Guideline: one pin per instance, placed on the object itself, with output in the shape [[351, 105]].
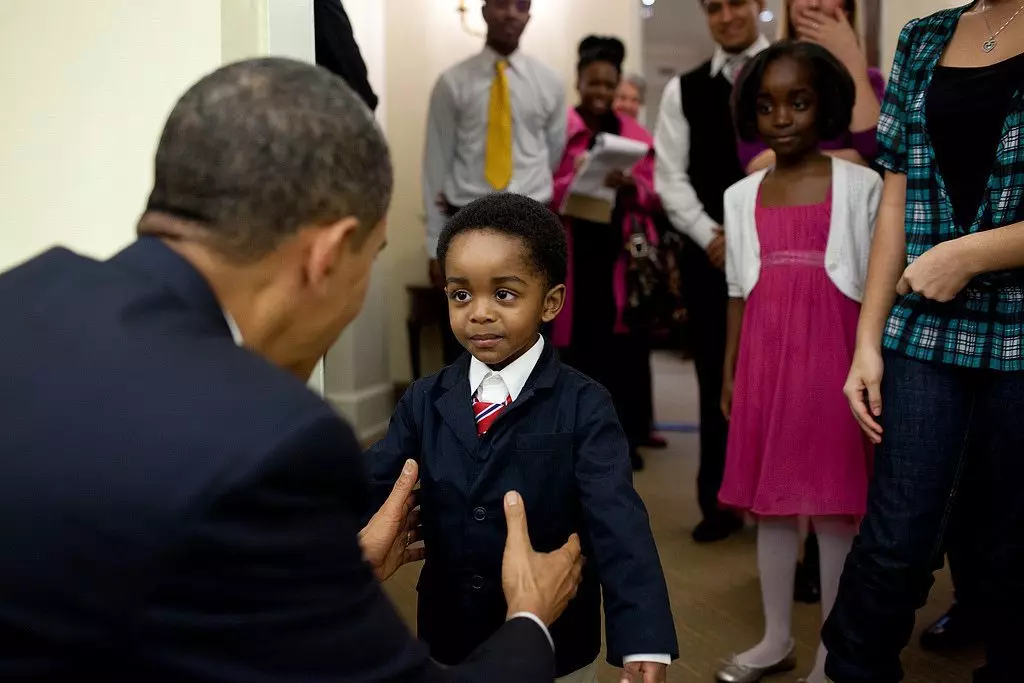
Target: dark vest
[[714, 161]]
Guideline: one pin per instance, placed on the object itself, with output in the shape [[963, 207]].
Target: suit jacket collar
[[150, 257], [455, 406]]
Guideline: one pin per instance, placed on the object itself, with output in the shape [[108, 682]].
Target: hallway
[[714, 589]]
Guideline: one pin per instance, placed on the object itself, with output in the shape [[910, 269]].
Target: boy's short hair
[[832, 83], [540, 231]]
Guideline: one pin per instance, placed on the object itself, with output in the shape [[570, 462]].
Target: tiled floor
[[714, 589]]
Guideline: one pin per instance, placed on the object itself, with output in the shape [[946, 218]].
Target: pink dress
[[794, 447]]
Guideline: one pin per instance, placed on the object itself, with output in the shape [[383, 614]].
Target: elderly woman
[[630, 95]]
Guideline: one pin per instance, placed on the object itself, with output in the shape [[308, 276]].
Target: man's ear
[[554, 300], [324, 250]]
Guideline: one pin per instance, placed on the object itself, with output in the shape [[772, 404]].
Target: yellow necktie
[[498, 155]]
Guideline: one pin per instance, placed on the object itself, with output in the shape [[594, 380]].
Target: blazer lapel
[[455, 405], [542, 379]]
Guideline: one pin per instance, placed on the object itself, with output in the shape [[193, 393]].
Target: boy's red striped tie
[[487, 413]]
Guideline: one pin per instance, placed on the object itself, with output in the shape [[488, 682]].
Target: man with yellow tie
[[496, 124]]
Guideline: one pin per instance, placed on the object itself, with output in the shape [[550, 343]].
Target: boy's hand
[[644, 672], [387, 538]]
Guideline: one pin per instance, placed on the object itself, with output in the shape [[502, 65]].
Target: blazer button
[[479, 514], [477, 582]]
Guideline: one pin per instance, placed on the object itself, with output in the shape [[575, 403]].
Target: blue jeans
[[951, 437]]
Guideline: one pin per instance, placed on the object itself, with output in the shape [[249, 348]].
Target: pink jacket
[[640, 205]]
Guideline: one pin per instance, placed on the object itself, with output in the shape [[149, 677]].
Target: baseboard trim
[[368, 409]]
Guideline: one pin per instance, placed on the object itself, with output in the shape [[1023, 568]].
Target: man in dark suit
[[175, 504]]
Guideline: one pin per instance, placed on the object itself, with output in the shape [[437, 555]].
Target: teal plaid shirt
[[984, 325]]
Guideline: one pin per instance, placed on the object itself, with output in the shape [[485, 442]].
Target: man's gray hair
[[638, 82], [261, 148]]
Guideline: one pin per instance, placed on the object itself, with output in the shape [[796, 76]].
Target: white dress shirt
[[494, 386], [453, 161], [672, 151]]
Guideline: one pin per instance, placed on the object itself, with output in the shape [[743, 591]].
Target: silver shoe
[[734, 672]]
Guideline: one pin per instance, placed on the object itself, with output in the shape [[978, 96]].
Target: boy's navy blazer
[[561, 447]]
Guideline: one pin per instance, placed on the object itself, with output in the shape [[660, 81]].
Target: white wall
[[357, 372], [86, 87]]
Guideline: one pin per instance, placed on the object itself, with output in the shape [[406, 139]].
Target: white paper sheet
[[609, 153]]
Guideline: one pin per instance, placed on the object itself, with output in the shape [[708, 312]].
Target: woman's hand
[[938, 274], [618, 180], [864, 391], [728, 382], [579, 161], [835, 34]]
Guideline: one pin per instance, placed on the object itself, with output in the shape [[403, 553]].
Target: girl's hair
[[829, 78], [600, 49], [788, 32]]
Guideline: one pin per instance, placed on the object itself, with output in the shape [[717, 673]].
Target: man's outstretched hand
[[389, 537], [539, 583]]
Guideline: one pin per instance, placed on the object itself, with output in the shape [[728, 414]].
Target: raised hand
[[834, 33]]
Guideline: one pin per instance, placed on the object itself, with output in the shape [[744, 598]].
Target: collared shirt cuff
[[534, 618], [655, 659], [704, 231]]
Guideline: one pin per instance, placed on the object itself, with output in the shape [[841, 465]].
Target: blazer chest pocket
[[544, 461], [538, 444]]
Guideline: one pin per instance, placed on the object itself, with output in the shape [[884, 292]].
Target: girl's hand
[[835, 34], [618, 180], [864, 391], [938, 274], [579, 161]]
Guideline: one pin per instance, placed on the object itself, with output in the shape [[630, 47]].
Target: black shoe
[[807, 585], [637, 461], [954, 630], [717, 528]]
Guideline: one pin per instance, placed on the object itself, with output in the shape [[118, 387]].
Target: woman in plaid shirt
[[938, 374]]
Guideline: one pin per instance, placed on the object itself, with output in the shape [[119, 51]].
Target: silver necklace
[[991, 43]]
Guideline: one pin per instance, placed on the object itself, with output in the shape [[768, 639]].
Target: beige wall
[[423, 38], [86, 87], [895, 15]]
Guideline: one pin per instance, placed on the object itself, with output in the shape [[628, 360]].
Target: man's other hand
[[389, 537], [539, 583]]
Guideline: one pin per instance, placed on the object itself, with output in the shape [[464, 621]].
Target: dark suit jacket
[[560, 445], [175, 508], [337, 51]]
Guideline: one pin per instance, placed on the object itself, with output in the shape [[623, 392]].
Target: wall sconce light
[[469, 17]]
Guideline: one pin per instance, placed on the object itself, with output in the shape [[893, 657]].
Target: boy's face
[[496, 298]]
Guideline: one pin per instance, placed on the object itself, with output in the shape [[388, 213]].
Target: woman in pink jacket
[[592, 330]]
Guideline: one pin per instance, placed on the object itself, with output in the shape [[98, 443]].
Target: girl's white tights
[[778, 547]]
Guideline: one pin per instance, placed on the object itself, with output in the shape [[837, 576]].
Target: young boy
[[508, 415]]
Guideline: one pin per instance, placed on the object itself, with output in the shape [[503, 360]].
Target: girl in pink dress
[[797, 242]]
